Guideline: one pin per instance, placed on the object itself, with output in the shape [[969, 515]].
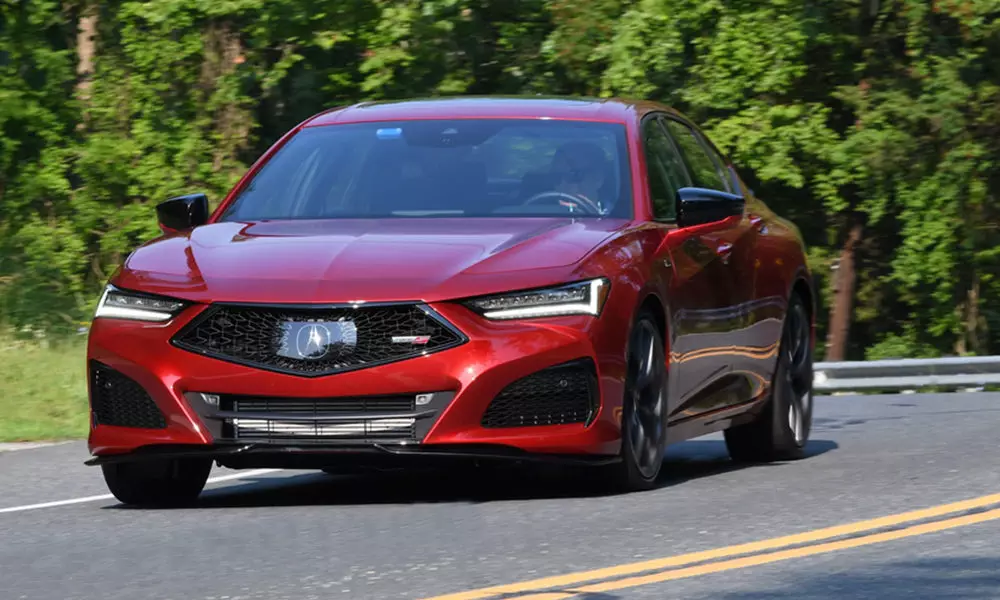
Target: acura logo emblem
[[314, 340]]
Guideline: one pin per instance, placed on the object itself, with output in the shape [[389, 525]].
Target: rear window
[[444, 168]]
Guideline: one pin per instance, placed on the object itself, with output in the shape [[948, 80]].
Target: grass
[[43, 391]]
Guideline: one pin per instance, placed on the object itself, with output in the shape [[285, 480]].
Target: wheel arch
[[802, 285], [651, 302]]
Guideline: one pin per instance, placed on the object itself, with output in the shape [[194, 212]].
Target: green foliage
[[43, 390], [887, 113]]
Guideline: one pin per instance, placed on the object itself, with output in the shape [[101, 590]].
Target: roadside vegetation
[[43, 390], [875, 126]]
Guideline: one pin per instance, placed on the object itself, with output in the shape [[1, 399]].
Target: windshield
[[444, 168]]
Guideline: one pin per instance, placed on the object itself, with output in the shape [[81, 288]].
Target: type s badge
[[412, 340]]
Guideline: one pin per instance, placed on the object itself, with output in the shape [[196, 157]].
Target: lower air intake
[[558, 395], [362, 420], [120, 401]]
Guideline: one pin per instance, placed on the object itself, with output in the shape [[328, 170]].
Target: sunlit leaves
[[883, 112]]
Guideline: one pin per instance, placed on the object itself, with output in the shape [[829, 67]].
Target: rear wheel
[[644, 411], [782, 429], [157, 483]]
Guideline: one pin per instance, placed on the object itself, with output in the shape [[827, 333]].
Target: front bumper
[[461, 383]]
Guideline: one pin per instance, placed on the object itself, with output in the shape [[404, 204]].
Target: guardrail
[[907, 374]]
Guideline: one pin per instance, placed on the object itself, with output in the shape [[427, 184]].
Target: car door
[[698, 288], [735, 243]]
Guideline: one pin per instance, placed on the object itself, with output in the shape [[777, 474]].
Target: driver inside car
[[578, 169]]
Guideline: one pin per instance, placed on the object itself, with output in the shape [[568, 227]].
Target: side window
[[705, 169], [664, 170]]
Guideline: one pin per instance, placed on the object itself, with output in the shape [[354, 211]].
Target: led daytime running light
[[118, 304], [584, 298]]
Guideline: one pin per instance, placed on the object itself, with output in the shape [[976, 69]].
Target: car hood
[[356, 259]]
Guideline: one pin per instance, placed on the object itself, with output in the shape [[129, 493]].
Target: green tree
[[873, 125]]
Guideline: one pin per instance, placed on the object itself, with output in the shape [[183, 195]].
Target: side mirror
[[698, 206], [182, 212]]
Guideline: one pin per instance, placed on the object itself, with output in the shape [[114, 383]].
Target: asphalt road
[[303, 535]]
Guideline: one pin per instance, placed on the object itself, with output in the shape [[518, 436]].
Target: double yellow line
[[819, 541]]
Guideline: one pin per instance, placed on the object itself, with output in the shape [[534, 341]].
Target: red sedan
[[466, 278]]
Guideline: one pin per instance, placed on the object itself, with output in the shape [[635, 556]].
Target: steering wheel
[[575, 199]]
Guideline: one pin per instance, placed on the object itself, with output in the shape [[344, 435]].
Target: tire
[[781, 430], [171, 482], [644, 410]]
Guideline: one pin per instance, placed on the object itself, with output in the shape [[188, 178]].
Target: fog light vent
[[120, 401], [555, 396]]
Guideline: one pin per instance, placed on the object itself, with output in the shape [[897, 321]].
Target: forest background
[[874, 125]]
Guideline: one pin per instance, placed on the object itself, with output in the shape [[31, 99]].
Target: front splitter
[[254, 455]]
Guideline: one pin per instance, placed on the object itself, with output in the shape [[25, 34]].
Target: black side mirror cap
[[182, 212], [698, 206]]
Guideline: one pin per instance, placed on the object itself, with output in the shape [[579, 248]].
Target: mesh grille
[[378, 419], [118, 400], [317, 341], [555, 396]]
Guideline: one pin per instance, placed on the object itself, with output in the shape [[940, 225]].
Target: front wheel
[[782, 429], [644, 410], [157, 483]]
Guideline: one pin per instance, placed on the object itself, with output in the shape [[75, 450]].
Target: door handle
[[724, 250], [758, 222]]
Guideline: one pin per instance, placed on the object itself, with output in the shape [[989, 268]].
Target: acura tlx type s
[[480, 279]]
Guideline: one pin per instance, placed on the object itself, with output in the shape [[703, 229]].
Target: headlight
[[581, 298], [120, 304]]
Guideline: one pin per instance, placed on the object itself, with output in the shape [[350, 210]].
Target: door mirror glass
[[182, 212], [698, 206]]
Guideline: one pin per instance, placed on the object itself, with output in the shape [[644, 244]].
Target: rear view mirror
[[697, 206], [182, 212]]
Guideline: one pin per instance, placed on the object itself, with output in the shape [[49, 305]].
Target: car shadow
[[685, 461], [706, 458]]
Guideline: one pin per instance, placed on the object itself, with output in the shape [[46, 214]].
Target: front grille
[[555, 396], [120, 401], [321, 420], [312, 342]]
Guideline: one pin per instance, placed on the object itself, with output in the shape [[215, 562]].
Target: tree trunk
[[85, 49], [970, 340], [843, 297], [224, 52]]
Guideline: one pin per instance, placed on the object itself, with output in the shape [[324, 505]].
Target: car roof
[[609, 110]]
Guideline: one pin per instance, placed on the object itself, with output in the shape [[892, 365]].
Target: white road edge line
[[83, 499], [19, 446]]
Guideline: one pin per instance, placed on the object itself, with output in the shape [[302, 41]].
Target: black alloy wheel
[[798, 377], [644, 410], [781, 430]]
